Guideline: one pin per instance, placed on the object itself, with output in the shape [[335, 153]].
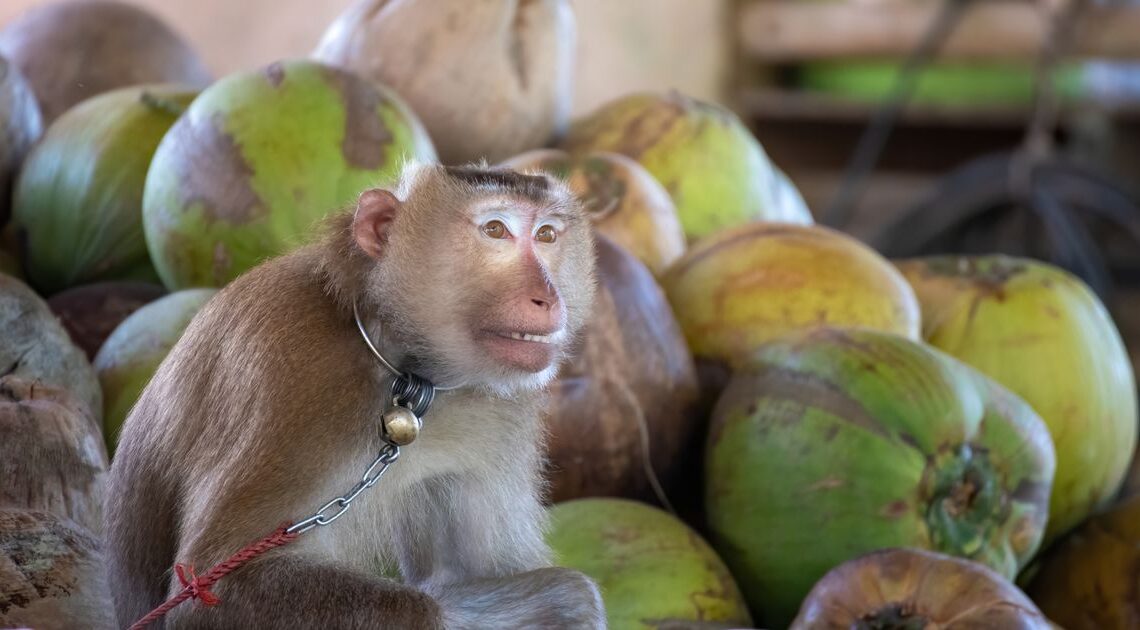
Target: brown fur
[[269, 406]]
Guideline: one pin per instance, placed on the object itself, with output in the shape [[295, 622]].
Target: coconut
[[260, 157], [834, 443], [1042, 333], [77, 210], [20, 126], [1088, 580], [36, 346], [91, 312], [621, 198], [709, 161], [652, 569], [72, 50], [488, 79], [52, 574], [132, 353], [52, 456], [912, 588], [742, 288], [627, 398]]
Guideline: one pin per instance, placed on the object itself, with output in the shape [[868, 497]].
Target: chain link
[[387, 456]]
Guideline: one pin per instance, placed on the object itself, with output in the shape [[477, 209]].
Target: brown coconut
[[90, 313], [52, 456], [627, 397], [913, 588], [34, 345], [1090, 580], [489, 78], [20, 126], [75, 49], [52, 574]]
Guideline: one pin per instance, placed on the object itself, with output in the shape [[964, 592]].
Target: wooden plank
[[803, 105], [1005, 30]]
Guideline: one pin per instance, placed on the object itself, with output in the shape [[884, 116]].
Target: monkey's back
[[226, 411]]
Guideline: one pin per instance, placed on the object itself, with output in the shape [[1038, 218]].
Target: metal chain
[[408, 390], [388, 455]]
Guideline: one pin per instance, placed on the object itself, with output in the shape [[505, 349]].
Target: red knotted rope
[[198, 586]]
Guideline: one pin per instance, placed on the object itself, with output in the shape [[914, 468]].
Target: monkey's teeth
[[528, 337]]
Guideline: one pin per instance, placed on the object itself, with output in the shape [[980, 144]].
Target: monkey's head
[[481, 276]]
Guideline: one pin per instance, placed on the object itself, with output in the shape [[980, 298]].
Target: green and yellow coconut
[[652, 569], [1039, 331], [741, 288], [132, 353], [833, 443], [714, 168], [260, 157]]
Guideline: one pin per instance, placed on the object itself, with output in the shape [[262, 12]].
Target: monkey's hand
[[552, 597]]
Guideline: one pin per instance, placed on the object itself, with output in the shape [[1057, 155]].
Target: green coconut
[[716, 171], [833, 443], [260, 157], [133, 352], [77, 212], [652, 569], [20, 126]]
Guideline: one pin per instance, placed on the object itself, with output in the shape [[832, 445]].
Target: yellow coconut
[[741, 288]]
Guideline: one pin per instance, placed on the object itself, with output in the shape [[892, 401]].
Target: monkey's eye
[[546, 234], [495, 229]]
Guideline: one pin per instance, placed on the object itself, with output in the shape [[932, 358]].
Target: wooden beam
[[991, 30]]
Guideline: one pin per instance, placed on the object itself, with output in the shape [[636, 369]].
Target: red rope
[[198, 586]]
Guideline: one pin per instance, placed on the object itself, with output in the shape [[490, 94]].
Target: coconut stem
[[961, 497], [963, 501], [161, 104]]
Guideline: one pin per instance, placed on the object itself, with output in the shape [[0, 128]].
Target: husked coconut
[[36, 346], [52, 575], [489, 78], [51, 452]]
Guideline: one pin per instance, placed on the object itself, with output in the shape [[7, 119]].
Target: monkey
[[475, 278]]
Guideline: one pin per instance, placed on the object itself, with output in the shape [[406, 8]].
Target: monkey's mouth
[[535, 337], [531, 351]]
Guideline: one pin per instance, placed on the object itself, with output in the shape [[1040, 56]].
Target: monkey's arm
[[483, 557]]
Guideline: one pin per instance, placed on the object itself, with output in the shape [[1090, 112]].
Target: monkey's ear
[[375, 211]]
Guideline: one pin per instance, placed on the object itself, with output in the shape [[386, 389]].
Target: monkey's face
[[503, 283], [521, 292]]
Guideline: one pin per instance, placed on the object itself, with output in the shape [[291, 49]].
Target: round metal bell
[[401, 426]]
